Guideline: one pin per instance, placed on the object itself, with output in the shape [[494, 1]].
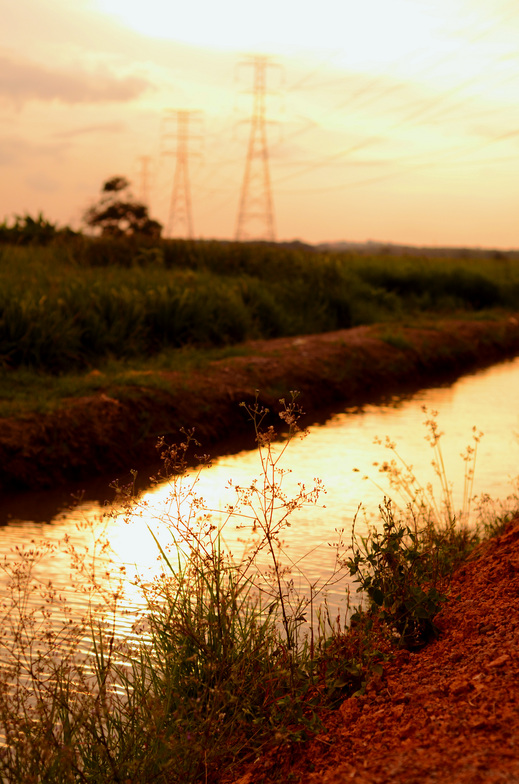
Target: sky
[[385, 120]]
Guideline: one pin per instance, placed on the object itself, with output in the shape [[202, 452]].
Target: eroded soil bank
[[447, 714], [118, 428]]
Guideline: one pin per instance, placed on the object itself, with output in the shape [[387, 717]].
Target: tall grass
[[78, 302], [220, 665]]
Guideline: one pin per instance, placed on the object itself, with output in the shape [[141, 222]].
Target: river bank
[[446, 713], [117, 428]]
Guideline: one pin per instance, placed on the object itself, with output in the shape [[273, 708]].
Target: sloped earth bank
[[448, 713], [117, 429]]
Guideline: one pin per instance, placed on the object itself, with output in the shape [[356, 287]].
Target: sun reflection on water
[[340, 453]]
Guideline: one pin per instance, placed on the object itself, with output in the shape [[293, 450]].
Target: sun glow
[[384, 116], [440, 44], [355, 33]]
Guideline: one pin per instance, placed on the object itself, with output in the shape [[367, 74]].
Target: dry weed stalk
[[219, 661]]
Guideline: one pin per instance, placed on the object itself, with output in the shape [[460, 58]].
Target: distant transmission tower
[[256, 212], [180, 219], [144, 180]]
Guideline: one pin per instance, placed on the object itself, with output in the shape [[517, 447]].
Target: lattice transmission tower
[[180, 217], [256, 211], [144, 179]]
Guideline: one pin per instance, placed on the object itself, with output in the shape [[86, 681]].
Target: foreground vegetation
[[227, 660]]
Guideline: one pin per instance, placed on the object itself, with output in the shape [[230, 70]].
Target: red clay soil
[[448, 713], [117, 429]]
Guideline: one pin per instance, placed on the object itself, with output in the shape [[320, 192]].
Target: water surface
[[341, 454]]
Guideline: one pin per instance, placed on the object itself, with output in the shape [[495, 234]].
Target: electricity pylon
[[180, 219], [144, 180], [256, 208]]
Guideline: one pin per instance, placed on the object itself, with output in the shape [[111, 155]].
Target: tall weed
[[221, 663], [401, 564]]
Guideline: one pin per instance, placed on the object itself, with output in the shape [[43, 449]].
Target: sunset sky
[[389, 120]]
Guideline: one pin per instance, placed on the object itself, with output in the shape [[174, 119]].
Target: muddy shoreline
[[117, 429]]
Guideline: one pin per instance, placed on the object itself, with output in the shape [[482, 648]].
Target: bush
[[27, 230]]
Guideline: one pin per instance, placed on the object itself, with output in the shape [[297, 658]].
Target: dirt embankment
[[117, 429], [447, 714]]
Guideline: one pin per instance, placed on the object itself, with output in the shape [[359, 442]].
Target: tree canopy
[[118, 214]]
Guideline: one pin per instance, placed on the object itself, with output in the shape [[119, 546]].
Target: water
[[341, 453]]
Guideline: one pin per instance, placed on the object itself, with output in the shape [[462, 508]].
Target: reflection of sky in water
[[487, 400]]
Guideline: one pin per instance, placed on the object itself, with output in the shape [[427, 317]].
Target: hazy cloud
[[114, 127], [23, 80]]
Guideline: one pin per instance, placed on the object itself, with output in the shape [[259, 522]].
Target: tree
[[117, 214]]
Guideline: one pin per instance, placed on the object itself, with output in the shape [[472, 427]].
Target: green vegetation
[[24, 391], [228, 659], [26, 230], [80, 302], [80, 314]]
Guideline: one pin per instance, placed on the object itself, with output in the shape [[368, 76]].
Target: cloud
[[24, 80], [114, 127]]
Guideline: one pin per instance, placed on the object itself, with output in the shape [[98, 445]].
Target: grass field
[[75, 304], [79, 305]]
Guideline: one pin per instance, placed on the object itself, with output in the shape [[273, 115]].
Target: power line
[[256, 211], [428, 163], [427, 110]]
